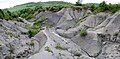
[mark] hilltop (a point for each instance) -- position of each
(33, 5)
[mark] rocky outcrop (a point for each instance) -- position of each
(63, 40)
(62, 19)
(16, 45)
(89, 44)
(102, 28)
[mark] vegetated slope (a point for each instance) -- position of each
(33, 5)
(30, 10)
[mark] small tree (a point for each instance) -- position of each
(103, 6)
(77, 53)
(79, 3)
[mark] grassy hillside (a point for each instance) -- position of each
(30, 10)
(23, 6)
(33, 5)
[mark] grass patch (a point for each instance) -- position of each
(48, 49)
(58, 46)
(32, 32)
(83, 32)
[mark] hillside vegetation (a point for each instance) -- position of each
(33, 5)
(30, 10)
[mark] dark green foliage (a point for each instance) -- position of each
(7, 15)
(83, 32)
(55, 8)
(29, 13)
(30, 10)
(39, 22)
(30, 16)
(1, 14)
(58, 46)
(77, 54)
(103, 7)
(38, 8)
(33, 30)
(14, 15)
(30, 33)
(78, 4)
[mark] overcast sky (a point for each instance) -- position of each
(11, 3)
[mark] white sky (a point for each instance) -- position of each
(11, 3)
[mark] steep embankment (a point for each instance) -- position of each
(15, 44)
(100, 39)
(102, 28)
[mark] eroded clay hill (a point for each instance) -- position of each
(61, 37)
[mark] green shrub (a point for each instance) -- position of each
(78, 4)
(77, 54)
(83, 32)
(35, 27)
(38, 22)
(58, 46)
(48, 49)
(32, 32)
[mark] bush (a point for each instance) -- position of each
(77, 54)
(83, 32)
(58, 46)
(39, 22)
(78, 4)
(32, 32)
(35, 27)
(48, 49)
